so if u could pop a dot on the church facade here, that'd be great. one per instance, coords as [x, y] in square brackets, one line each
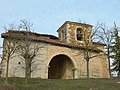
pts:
[61, 57]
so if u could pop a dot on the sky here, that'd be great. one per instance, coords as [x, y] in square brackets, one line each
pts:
[48, 15]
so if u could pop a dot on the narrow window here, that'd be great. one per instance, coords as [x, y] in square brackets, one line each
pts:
[79, 34]
[63, 35]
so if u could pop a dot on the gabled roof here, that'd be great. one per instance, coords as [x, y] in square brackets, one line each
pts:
[46, 38]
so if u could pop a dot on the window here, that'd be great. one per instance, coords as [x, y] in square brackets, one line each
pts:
[79, 34]
[63, 35]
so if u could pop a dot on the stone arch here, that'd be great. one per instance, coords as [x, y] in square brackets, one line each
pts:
[61, 67]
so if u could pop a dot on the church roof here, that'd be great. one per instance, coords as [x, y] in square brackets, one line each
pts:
[46, 38]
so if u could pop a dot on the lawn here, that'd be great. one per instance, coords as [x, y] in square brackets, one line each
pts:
[74, 84]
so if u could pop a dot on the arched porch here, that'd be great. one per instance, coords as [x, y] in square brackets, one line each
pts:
[61, 67]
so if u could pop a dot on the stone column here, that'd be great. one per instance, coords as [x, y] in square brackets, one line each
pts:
[75, 73]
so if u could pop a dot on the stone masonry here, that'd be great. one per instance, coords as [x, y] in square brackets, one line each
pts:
[61, 57]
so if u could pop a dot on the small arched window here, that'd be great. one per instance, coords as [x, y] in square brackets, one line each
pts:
[79, 34]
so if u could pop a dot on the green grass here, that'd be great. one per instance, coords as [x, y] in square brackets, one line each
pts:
[74, 84]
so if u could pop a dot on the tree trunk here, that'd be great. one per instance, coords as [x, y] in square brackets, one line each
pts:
[108, 56]
[6, 79]
[27, 70]
[118, 69]
[119, 74]
[26, 76]
[109, 67]
[87, 68]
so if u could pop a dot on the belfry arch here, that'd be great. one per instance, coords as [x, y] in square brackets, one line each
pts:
[61, 67]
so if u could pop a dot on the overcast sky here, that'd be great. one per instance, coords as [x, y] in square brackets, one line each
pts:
[48, 15]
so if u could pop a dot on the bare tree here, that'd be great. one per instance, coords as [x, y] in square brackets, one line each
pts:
[88, 37]
[28, 49]
[106, 36]
[10, 45]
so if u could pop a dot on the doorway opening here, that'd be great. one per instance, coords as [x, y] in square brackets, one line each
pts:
[61, 67]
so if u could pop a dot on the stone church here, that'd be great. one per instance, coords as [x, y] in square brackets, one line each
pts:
[61, 57]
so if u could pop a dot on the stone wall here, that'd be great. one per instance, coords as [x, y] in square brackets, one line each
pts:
[98, 65]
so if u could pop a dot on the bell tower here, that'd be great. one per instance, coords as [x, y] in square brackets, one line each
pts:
[74, 32]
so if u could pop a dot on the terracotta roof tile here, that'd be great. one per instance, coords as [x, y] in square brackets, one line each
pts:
[51, 39]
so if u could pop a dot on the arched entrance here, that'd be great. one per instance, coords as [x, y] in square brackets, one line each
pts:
[61, 67]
